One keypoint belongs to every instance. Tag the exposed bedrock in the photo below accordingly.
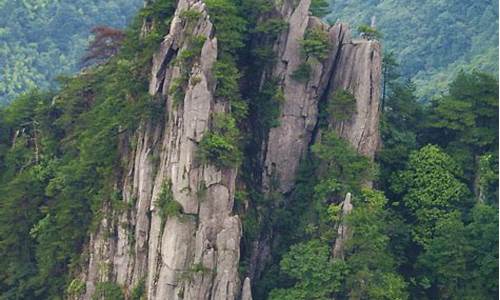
(195, 254)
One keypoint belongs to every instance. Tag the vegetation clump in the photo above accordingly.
(220, 146)
(315, 44)
(319, 8)
(167, 205)
(342, 105)
(303, 73)
(108, 291)
(369, 33)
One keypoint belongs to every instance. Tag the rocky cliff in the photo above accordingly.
(195, 253)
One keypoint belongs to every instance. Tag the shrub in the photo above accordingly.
(167, 206)
(315, 44)
(369, 33)
(303, 73)
(177, 89)
(319, 8)
(220, 145)
(342, 105)
(139, 291)
(190, 16)
(108, 291)
(227, 76)
(185, 61)
(76, 288)
(230, 26)
(271, 27)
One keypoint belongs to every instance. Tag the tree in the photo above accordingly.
(369, 33)
(482, 258)
(315, 44)
(390, 74)
(319, 8)
(429, 189)
(342, 168)
(443, 262)
(106, 44)
(464, 122)
(342, 106)
(316, 276)
(399, 128)
(372, 267)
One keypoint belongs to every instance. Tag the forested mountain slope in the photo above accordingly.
(42, 39)
(435, 39)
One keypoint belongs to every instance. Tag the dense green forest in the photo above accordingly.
(42, 39)
(427, 229)
(435, 39)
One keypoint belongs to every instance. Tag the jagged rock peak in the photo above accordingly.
(193, 254)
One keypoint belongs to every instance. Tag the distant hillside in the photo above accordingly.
(432, 39)
(40, 39)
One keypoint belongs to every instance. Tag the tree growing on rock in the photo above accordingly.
(106, 44)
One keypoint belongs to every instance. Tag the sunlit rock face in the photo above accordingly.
(196, 253)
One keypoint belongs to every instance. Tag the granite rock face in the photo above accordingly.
(343, 231)
(193, 255)
(196, 253)
(351, 65)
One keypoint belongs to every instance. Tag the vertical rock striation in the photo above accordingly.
(358, 71)
(195, 254)
(352, 65)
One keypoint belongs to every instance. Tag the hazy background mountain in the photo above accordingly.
(431, 39)
(40, 39)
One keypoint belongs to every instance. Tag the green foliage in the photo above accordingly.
(444, 259)
(342, 105)
(402, 118)
(369, 33)
(271, 27)
(372, 267)
(220, 146)
(167, 206)
(482, 238)
(319, 8)
(466, 119)
(76, 288)
(488, 178)
(267, 106)
(303, 73)
(178, 89)
(230, 26)
(108, 291)
(227, 76)
(430, 189)
(461, 261)
(185, 60)
(62, 162)
(194, 270)
(316, 276)
(342, 164)
(139, 291)
(42, 39)
(451, 35)
(315, 44)
(469, 112)
(190, 16)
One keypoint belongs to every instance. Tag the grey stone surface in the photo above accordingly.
(196, 255)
